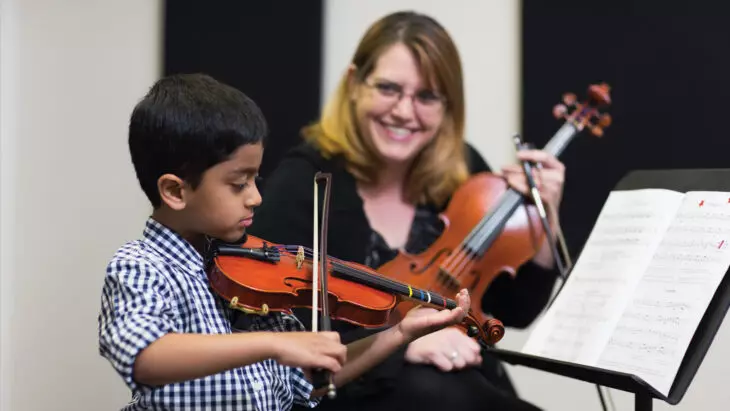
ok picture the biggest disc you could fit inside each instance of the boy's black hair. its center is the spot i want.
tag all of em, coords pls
(186, 124)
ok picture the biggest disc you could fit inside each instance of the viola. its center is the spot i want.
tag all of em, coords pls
(259, 277)
(490, 228)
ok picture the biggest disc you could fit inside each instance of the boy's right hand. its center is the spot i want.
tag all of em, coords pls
(309, 350)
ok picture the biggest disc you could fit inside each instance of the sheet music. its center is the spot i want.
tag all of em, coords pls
(655, 330)
(629, 229)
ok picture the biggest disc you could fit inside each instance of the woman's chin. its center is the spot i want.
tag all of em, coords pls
(397, 157)
(396, 151)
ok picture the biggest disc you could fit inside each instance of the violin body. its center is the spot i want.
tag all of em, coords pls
(259, 287)
(439, 269)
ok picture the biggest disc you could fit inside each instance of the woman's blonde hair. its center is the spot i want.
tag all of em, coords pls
(440, 167)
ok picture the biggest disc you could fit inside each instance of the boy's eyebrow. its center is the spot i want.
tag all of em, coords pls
(243, 171)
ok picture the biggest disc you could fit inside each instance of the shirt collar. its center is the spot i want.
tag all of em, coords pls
(172, 246)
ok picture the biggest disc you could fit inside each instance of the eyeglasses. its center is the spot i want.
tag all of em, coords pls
(390, 93)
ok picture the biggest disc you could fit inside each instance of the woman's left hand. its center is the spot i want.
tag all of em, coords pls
(549, 179)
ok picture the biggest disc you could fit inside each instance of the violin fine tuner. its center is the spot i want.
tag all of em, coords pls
(586, 115)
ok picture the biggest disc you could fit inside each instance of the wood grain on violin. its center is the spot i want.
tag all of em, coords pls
(490, 228)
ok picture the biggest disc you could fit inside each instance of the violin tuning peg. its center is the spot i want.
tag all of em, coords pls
(472, 331)
(600, 93)
(605, 120)
(569, 99)
(559, 111)
(597, 131)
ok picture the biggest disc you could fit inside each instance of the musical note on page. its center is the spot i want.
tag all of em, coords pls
(670, 299)
(629, 229)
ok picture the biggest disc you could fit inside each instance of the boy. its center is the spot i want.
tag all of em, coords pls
(196, 146)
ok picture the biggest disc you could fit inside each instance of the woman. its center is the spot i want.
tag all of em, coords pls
(392, 137)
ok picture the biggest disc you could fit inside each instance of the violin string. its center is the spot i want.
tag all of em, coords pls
(308, 252)
(464, 251)
(454, 266)
(373, 278)
(451, 261)
(463, 267)
(467, 253)
(343, 265)
(480, 233)
(383, 281)
(394, 286)
(459, 268)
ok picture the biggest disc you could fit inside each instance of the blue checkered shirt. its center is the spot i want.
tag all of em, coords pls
(157, 285)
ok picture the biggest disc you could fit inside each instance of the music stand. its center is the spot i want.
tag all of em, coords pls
(677, 180)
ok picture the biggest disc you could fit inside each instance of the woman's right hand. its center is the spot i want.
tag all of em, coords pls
(448, 349)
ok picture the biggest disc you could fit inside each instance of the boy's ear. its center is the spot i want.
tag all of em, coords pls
(172, 191)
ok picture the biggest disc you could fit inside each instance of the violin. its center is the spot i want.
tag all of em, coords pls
(259, 277)
(490, 228)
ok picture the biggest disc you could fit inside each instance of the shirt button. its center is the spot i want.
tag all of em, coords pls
(258, 385)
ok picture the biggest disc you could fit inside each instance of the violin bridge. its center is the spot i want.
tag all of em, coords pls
(449, 280)
(300, 257)
(264, 310)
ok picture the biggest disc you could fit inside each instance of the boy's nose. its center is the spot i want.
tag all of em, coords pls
(254, 200)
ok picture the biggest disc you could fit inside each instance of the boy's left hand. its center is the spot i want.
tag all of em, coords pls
(421, 321)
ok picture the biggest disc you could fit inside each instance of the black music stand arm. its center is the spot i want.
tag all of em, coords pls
(643, 402)
(677, 180)
(643, 393)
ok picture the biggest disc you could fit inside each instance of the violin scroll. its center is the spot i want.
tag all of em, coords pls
(494, 330)
(586, 114)
(490, 333)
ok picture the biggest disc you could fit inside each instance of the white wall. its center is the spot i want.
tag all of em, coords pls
(487, 33)
(71, 72)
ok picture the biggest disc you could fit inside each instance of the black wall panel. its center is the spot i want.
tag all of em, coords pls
(668, 64)
(270, 50)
